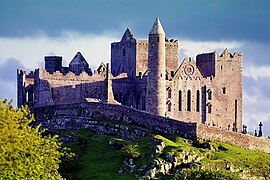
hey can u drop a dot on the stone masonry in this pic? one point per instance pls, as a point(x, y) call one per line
point(146, 76)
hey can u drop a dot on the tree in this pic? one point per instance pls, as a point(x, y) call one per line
point(24, 152)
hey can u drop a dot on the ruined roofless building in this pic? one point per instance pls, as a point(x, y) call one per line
point(145, 75)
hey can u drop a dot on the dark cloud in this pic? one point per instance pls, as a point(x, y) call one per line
point(8, 70)
point(201, 20)
point(8, 78)
point(8, 91)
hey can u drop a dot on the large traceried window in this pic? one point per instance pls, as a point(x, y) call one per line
point(188, 100)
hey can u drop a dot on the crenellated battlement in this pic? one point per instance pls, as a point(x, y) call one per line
point(21, 72)
point(229, 56)
point(83, 76)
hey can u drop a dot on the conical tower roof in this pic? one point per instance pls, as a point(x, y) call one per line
point(157, 28)
point(127, 35)
point(78, 59)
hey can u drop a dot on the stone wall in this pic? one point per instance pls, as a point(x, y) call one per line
point(83, 111)
point(171, 47)
point(81, 115)
point(235, 138)
point(141, 57)
point(187, 80)
point(25, 88)
point(215, 85)
point(57, 88)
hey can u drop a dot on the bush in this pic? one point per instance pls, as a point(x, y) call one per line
point(69, 164)
point(131, 151)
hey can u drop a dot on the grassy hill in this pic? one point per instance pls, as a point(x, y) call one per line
point(153, 156)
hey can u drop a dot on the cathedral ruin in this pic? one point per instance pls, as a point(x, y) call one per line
point(145, 75)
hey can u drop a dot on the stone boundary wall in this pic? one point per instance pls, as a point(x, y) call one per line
point(112, 111)
point(242, 140)
point(81, 113)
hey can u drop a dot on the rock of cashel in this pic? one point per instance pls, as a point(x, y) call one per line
point(144, 82)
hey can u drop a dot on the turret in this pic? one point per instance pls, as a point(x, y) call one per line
point(156, 92)
point(53, 63)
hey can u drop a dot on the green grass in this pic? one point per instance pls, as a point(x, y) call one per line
point(234, 155)
point(239, 157)
point(98, 160)
point(175, 144)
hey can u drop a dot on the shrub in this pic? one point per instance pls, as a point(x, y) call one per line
point(131, 151)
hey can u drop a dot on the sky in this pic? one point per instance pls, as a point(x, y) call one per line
point(32, 29)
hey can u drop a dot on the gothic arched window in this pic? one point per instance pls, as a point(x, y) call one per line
point(169, 93)
point(209, 108)
point(169, 106)
point(180, 101)
point(188, 100)
point(209, 94)
point(198, 101)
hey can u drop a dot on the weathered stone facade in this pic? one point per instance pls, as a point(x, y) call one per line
point(207, 91)
point(145, 75)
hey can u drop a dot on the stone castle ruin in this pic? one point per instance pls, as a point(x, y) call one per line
point(145, 75)
point(144, 86)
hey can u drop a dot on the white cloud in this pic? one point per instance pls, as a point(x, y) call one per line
point(30, 51)
point(257, 71)
point(95, 48)
point(192, 48)
point(256, 110)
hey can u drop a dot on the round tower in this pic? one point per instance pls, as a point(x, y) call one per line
point(156, 90)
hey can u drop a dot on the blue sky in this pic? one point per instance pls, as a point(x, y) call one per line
point(31, 29)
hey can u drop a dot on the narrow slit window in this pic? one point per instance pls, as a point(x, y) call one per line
point(169, 93)
point(224, 90)
point(169, 106)
point(209, 94)
point(209, 108)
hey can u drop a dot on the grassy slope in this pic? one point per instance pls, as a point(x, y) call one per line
point(100, 161)
point(231, 155)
